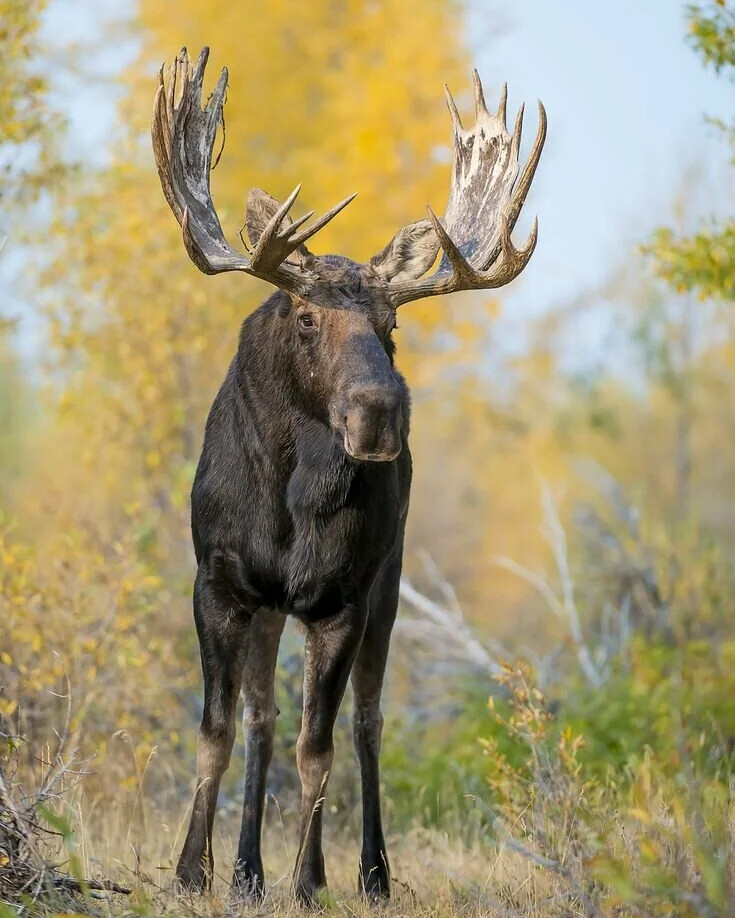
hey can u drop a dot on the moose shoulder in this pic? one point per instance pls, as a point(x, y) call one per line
point(300, 498)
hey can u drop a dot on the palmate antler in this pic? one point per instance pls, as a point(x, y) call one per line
point(485, 199)
point(484, 203)
point(183, 139)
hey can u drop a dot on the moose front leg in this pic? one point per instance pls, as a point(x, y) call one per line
point(259, 723)
point(222, 632)
point(367, 723)
point(331, 645)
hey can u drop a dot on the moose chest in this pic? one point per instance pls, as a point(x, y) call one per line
point(343, 520)
point(307, 542)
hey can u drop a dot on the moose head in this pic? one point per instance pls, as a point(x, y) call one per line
point(338, 315)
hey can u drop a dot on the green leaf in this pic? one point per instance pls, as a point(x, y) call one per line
point(57, 822)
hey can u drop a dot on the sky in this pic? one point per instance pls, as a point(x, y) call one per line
point(626, 99)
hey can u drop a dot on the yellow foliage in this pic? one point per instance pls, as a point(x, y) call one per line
point(77, 635)
point(340, 98)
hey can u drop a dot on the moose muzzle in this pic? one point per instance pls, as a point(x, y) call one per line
point(370, 421)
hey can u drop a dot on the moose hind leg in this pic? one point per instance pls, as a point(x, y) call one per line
point(367, 723)
point(222, 632)
point(259, 722)
point(331, 645)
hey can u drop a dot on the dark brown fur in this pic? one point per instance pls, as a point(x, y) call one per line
point(285, 521)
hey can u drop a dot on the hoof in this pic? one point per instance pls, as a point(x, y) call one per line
point(192, 878)
point(310, 881)
point(311, 894)
point(374, 882)
point(248, 884)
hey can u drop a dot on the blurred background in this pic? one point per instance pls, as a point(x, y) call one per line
point(573, 436)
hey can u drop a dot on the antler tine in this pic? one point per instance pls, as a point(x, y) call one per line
point(465, 277)
point(161, 135)
point(215, 108)
point(512, 260)
point(460, 266)
point(502, 105)
point(265, 251)
point(183, 68)
point(171, 94)
point(480, 106)
point(529, 170)
point(301, 238)
point(452, 106)
point(279, 241)
point(515, 147)
point(297, 223)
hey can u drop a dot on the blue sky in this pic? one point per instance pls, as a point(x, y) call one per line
point(626, 99)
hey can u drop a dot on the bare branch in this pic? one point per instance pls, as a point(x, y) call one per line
point(451, 626)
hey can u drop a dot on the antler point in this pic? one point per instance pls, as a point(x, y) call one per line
point(453, 112)
point(480, 106)
point(503, 104)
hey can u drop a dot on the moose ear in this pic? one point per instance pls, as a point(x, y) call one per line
point(260, 208)
point(409, 254)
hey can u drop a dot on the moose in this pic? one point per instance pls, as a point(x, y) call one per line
point(300, 497)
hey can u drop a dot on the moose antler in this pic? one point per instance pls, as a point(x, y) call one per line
point(484, 203)
point(183, 139)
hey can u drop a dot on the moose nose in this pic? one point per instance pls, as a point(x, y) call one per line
point(372, 422)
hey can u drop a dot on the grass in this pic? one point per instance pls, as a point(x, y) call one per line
point(543, 834)
point(432, 875)
point(132, 838)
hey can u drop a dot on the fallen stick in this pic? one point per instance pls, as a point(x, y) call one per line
point(73, 885)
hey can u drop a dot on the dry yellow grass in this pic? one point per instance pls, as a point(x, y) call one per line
point(433, 874)
point(133, 838)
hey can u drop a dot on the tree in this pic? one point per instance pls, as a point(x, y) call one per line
point(29, 160)
point(30, 164)
point(343, 97)
point(705, 262)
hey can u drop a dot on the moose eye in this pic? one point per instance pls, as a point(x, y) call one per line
point(306, 321)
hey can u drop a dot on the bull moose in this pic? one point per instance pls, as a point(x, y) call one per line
point(300, 497)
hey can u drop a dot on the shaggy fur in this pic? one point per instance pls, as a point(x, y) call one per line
point(286, 522)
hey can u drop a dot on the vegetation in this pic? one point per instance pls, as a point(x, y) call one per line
point(29, 159)
point(582, 768)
